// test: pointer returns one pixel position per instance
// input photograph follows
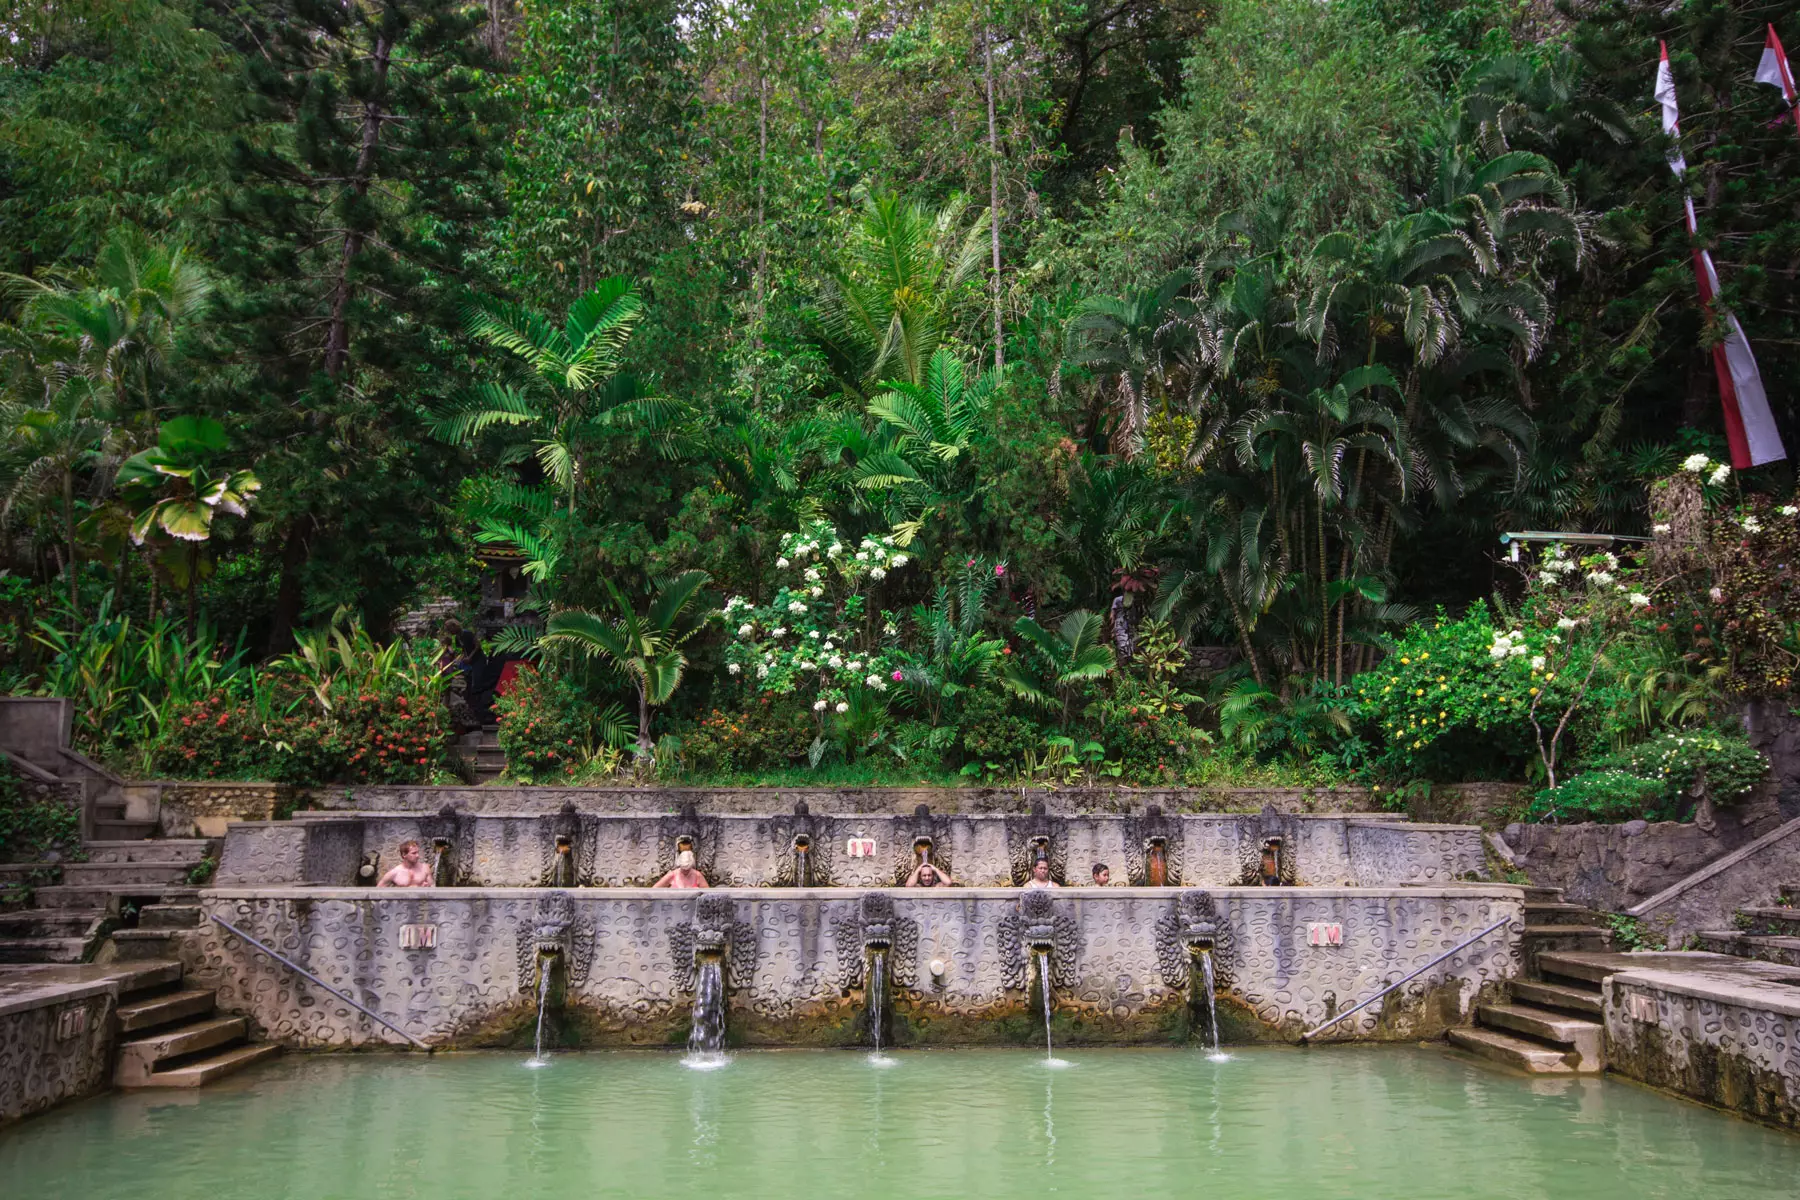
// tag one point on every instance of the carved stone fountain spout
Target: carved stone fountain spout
(1266, 851)
(1034, 837)
(927, 840)
(1154, 842)
(1039, 928)
(804, 857)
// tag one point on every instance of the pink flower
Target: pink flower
(896, 677)
(999, 569)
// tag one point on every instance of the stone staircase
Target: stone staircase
(121, 879)
(171, 1037)
(1551, 1023)
(484, 747)
(1770, 932)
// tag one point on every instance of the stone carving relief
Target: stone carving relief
(1039, 834)
(1034, 927)
(1272, 833)
(1148, 836)
(689, 830)
(715, 929)
(870, 925)
(1193, 922)
(819, 837)
(555, 929)
(925, 826)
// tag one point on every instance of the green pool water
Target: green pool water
(1358, 1123)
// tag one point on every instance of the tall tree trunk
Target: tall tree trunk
(290, 591)
(68, 507)
(193, 584)
(987, 53)
(644, 742)
(337, 338)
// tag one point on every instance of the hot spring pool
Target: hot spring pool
(1361, 1123)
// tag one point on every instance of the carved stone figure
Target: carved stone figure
(1268, 844)
(803, 839)
(873, 926)
(687, 830)
(715, 929)
(554, 929)
(1193, 922)
(926, 833)
(1038, 927)
(1154, 842)
(1038, 835)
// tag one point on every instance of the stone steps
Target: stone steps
(1557, 996)
(107, 895)
(1542, 939)
(1772, 921)
(43, 950)
(1575, 969)
(1519, 1053)
(1553, 913)
(180, 1042)
(1582, 1041)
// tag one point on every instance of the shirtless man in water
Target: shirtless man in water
(413, 870)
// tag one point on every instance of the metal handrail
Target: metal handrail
(285, 961)
(1317, 1029)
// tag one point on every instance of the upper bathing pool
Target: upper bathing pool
(1323, 1124)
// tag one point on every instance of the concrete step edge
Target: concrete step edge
(198, 1074)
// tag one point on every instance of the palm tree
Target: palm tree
(44, 449)
(182, 486)
(645, 647)
(1067, 657)
(887, 305)
(121, 324)
(929, 428)
(575, 388)
(1133, 342)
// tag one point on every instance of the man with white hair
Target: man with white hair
(685, 874)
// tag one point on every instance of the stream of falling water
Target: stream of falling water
(437, 863)
(1212, 1006)
(706, 1039)
(877, 996)
(1050, 1058)
(537, 1054)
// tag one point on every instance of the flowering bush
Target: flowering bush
(767, 732)
(546, 727)
(1607, 797)
(815, 638)
(1717, 763)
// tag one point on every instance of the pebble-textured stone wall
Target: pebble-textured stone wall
(1724, 1041)
(519, 850)
(629, 952)
(37, 1067)
(186, 810)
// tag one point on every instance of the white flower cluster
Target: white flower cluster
(1788, 510)
(1638, 600)
(1508, 645)
(1716, 472)
(1695, 463)
(1661, 527)
(1751, 525)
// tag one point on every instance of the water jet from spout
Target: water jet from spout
(706, 1038)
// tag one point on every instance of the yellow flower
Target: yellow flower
(1534, 691)
(1440, 716)
(1420, 692)
(1425, 656)
(1406, 662)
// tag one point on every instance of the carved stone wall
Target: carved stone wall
(37, 1067)
(515, 850)
(789, 969)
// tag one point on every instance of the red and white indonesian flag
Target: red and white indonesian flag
(1749, 426)
(1773, 67)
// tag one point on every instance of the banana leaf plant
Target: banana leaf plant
(178, 487)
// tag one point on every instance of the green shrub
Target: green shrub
(1686, 760)
(1607, 796)
(994, 729)
(546, 727)
(32, 827)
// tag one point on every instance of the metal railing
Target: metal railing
(1318, 1029)
(291, 965)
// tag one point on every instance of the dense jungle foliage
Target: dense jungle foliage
(1117, 390)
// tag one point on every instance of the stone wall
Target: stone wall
(1726, 1041)
(1612, 867)
(973, 800)
(54, 1048)
(205, 808)
(519, 850)
(1708, 899)
(456, 966)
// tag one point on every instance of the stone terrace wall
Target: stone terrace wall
(1731, 1042)
(54, 1049)
(508, 798)
(757, 851)
(1612, 867)
(796, 963)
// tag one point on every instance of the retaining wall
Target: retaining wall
(520, 850)
(54, 1046)
(457, 966)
